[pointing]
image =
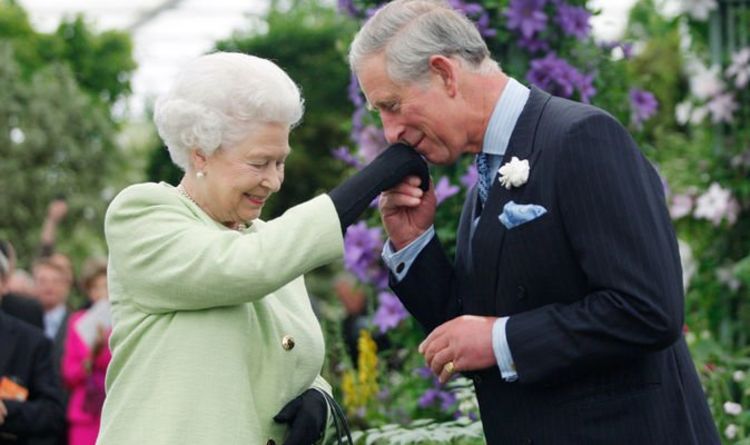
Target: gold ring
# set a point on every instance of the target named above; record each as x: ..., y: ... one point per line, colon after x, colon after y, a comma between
x: 449, y: 368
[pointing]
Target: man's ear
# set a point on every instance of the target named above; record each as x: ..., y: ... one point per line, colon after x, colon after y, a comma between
x: 447, y: 70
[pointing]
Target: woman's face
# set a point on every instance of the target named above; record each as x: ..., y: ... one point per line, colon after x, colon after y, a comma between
x: 239, y: 179
x: 97, y: 288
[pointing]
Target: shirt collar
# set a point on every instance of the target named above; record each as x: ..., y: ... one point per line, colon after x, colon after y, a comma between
x: 53, y: 319
x: 504, y: 117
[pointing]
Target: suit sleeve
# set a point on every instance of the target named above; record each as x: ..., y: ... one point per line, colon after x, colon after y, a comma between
x: 613, y: 211
x: 429, y: 290
x: 166, y: 260
x: 43, y: 413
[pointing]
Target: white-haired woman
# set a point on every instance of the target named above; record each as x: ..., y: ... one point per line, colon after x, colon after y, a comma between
x: 214, y: 340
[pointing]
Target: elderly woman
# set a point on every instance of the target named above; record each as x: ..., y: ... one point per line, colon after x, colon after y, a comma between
x: 214, y: 340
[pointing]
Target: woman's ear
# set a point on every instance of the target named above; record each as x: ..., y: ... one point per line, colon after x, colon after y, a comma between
x: 198, y: 159
x: 447, y: 70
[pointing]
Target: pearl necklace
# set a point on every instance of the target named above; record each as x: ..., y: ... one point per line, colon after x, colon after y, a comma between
x: 240, y: 227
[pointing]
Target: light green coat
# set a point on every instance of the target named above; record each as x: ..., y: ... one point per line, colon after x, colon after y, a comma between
x: 199, y: 315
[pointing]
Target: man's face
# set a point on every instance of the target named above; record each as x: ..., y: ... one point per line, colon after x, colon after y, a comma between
x: 423, y: 116
x: 52, y: 286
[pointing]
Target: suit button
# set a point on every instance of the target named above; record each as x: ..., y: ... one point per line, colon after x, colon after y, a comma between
x: 528, y: 441
x: 477, y: 379
x: 287, y: 342
x: 271, y: 442
x: 521, y: 292
x: 400, y: 267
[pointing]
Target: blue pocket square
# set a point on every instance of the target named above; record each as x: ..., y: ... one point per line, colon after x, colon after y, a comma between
x: 516, y: 214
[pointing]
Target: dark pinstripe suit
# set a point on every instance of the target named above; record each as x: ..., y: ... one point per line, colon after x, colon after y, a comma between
x: 593, y: 290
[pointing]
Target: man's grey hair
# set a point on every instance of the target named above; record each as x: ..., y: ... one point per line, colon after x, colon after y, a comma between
x: 408, y: 32
x: 218, y: 99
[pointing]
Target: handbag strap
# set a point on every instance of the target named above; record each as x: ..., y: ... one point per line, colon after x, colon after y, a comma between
x: 339, y: 420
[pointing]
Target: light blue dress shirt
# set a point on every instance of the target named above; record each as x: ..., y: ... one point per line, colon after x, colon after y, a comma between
x: 53, y: 319
x: 502, y: 122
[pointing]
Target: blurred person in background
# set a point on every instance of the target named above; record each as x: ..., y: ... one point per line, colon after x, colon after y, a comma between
x: 214, y: 340
x: 53, y: 281
x: 56, y: 211
x: 21, y: 282
x: 86, y: 357
x: 31, y: 405
x: 15, y: 302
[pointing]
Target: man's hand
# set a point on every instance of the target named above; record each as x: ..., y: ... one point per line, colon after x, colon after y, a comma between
x: 466, y: 341
x: 407, y: 211
x: 3, y: 412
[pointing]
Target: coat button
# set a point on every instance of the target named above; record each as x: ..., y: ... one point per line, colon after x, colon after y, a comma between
x: 287, y: 342
x: 521, y: 292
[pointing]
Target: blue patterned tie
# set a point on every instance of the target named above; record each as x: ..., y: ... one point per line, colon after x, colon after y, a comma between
x: 483, y: 170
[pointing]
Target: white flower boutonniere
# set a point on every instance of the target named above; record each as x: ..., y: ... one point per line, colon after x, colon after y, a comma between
x: 514, y: 173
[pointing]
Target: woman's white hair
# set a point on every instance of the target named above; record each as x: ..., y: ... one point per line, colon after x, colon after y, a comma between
x: 408, y: 32
x: 218, y: 99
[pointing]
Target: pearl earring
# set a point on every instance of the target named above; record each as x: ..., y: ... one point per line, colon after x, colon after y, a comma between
x: 200, y: 175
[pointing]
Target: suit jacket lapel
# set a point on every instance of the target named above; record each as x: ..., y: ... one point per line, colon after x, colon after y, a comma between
x: 490, y: 233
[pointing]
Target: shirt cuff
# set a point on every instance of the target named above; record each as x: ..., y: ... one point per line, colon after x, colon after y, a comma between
x: 502, y: 351
x: 400, y: 262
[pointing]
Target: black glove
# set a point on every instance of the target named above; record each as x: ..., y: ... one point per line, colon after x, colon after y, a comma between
x: 398, y: 161
x: 306, y: 415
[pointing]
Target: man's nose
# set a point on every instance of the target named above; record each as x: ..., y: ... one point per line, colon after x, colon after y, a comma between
x: 392, y: 128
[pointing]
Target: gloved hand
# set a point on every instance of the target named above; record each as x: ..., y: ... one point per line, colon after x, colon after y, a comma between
x: 354, y: 195
x: 306, y: 415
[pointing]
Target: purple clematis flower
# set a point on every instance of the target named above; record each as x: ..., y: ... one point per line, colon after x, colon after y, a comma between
x: 343, y: 154
x: 390, y: 312
x: 526, y: 16
x: 362, y: 247
x: 444, y: 189
x: 558, y: 77
x: 643, y: 105
x: 476, y: 13
x: 470, y: 178
x: 574, y: 20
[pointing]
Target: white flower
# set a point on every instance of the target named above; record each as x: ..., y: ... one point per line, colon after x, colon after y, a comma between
x: 740, y: 67
x: 722, y: 108
x: 733, y: 409
x: 514, y: 173
x: 17, y: 136
x: 682, y: 205
x: 682, y: 112
x: 705, y: 83
x: 725, y: 276
x: 716, y: 204
x: 699, y: 114
x: 731, y: 431
x: 738, y: 376
x: 698, y: 9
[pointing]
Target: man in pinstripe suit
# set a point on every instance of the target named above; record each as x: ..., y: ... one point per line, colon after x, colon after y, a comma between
x: 564, y: 302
